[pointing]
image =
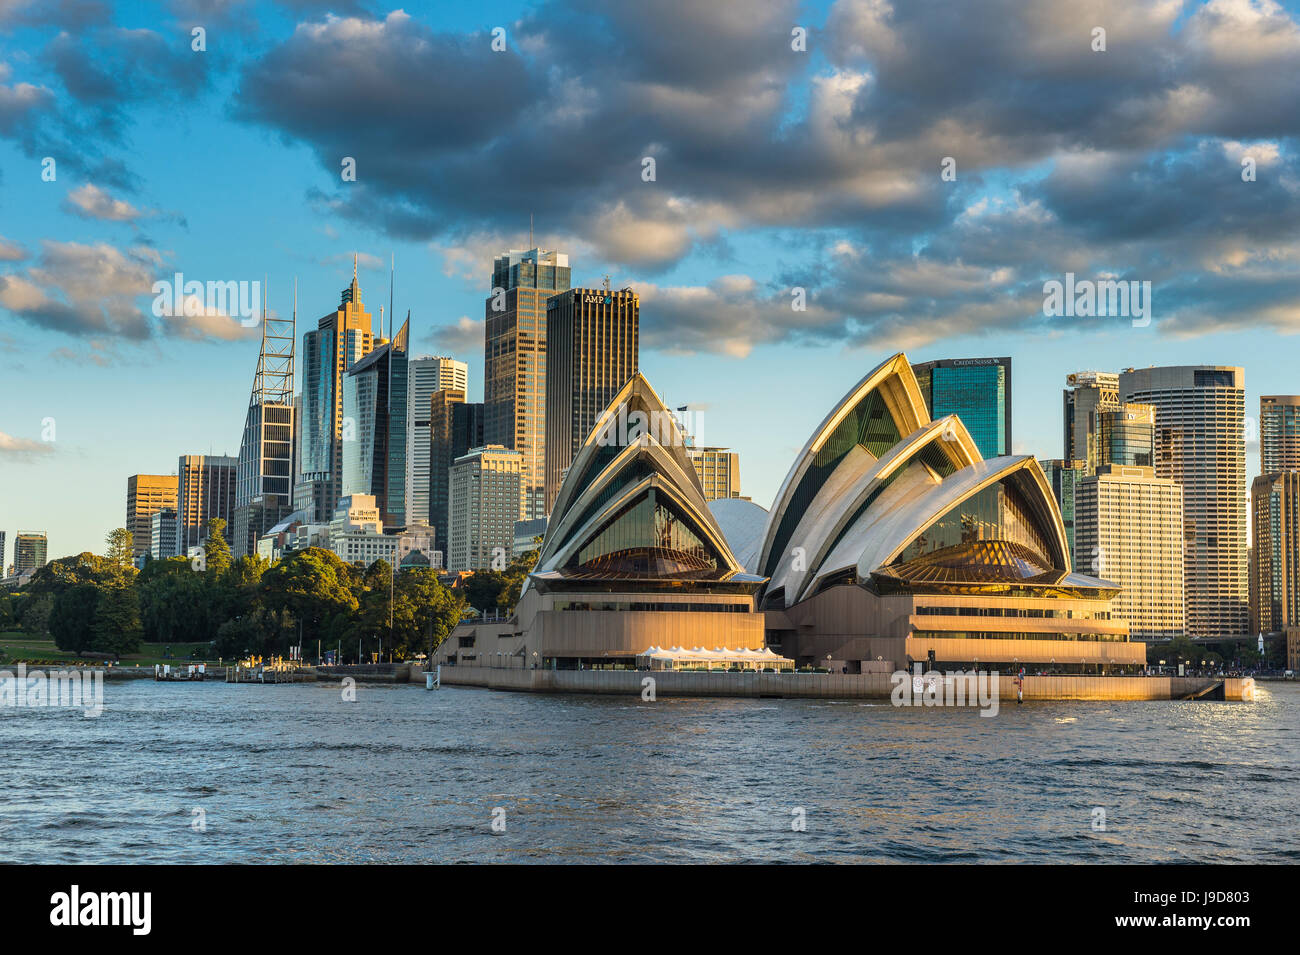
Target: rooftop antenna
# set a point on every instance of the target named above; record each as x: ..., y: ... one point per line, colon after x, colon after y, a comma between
x: 530, y: 231
x: 392, y: 281
x: 605, y: 283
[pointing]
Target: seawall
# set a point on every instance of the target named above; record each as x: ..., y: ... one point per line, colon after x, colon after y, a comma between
x: 850, y: 686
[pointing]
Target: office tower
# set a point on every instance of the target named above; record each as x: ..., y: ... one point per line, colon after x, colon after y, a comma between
x: 205, y: 489
x: 1200, y: 413
x: 718, y: 470
x: 1279, y: 433
x: 1275, y: 564
x: 1126, y: 436
x: 1129, y: 528
x: 1086, y: 393
x: 977, y: 390
x: 264, y: 477
x: 374, y: 451
x: 483, y: 507
x: 31, y: 550
x: 342, y: 338
x: 2, y: 553
x: 425, y: 375
x: 162, y: 533
x: 1100, y: 429
x: 455, y: 427
x: 1064, y: 478
x: 146, y: 494
x: 592, y: 338
x: 514, y: 360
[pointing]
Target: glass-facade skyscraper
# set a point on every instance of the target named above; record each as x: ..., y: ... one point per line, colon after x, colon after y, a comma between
x: 341, y: 339
x: 977, y: 390
x: 1100, y: 429
x: 374, y: 448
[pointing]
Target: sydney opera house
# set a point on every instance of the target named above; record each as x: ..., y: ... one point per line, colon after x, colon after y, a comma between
x: 890, y: 541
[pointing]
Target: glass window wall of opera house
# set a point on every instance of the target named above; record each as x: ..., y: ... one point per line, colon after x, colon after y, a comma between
x: 891, y: 541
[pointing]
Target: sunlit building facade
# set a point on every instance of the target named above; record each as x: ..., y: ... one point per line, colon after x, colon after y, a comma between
x: 341, y: 339
x: 146, y: 495
x: 718, y: 470
x: 205, y: 488
x: 514, y: 361
x: 455, y: 426
x: 1200, y: 443
x: 1129, y: 528
x: 1279, y: 433
x: 1275, y: 564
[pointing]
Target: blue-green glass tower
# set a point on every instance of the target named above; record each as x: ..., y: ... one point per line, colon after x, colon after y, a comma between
x: 977, y: 390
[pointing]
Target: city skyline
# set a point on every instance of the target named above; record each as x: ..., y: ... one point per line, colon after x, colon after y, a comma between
x: 99, y: 386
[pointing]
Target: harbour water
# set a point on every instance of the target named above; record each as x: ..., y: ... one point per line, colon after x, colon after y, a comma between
x: 216, y: 773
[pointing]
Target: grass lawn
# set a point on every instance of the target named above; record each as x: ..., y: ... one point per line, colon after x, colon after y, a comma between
x: 16, y: 647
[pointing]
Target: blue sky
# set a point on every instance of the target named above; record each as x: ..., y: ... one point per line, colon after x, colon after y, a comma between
x: 775, y: 168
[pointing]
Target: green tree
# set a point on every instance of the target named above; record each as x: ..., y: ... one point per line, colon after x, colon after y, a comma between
x: 58, y: 575
x: 516, y: 573
x: 120, y: 547
x: 36, y: 610
x: 261, y: 632
x: 72, y: 621
x: 485, y: 588
x: 424, y: 612
x: 316, y: 587
x: 177, y: 603
x: 117, y: 619
x: 216, y: 552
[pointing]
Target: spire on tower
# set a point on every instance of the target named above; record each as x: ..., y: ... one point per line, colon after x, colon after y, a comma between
x: 353, y: 292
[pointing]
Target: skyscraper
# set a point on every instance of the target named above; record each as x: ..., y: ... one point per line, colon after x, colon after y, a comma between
x: 1064, y: 478
x: 425, y: 375
x: 1200, y: 443
x: 146, y: 494
x: 342, y: 338
x: 483, y: 507
x: 977, y: 390
x: 1128, y: 526
x: 1279, y: 433
x: 514, y: 360
x: 1275, y: 564
x: 162, y: 533
x: 265, y: 474
x: 205, y: 489
x: 455, y: 427
x: 1100, y: 429
x: 718, y: 470
x: 592, y: 348
x: 2, y: 553
x: 374, y: 448
x: 31, y: 550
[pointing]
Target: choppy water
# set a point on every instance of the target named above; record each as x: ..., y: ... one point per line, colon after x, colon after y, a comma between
x: 295, y: 774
